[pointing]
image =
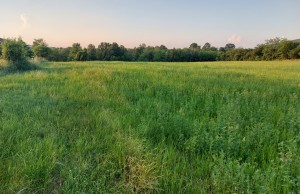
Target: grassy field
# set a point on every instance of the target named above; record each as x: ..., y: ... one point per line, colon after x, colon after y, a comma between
x: 114, y: 127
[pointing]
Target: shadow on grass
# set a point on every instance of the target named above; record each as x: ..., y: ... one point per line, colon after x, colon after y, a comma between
x: 9, y: 69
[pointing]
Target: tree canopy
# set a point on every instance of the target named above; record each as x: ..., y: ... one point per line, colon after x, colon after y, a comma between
x: 272, y: 49
x: 40, y: 48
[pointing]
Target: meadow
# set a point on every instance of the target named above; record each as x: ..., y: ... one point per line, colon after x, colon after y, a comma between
x: 134, y: 127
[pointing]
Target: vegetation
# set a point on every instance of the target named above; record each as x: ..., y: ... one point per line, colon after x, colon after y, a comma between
x: 117, y: 127
x: 16, y: 53
x: 40, y: 48
x: 272, y: 49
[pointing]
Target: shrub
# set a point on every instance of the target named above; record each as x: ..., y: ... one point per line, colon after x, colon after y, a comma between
x: 14, y: 51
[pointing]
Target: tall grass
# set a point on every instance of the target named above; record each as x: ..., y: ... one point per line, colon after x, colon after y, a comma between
x: 99, y: 127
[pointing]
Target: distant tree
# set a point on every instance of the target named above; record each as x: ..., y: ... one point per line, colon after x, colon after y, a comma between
x: 284, y: 48
x: 137, y: 51
x: 112, y: 52
x: 170, y: 56
x: 271, y: 49
x: 276, y: 48
x: 274, y: 41
x: 103, y: 51
x: 235, y: 54
x: 206, y: 46
x: 229, y: 46
x: 213, y: 48
x: 163, y: 47
x: 208, y: 56
x: 248, y: 54
x: 295, y: 53
x: 91, y: 52
x: 59, y: 54
x: 82, y: 55
x: 160, y: 53
x: 53, y: 54
x: 194, y: 46
x: 270, y: 53
x: 115, y: 52
x: 125, y: 54
x: 147, y: 54
x: 222, y: 49
x: 75, y: 49
x: 40, y: 48
x: 257, y: 53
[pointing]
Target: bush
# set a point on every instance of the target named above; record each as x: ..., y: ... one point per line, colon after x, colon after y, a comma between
x: 14, y: 51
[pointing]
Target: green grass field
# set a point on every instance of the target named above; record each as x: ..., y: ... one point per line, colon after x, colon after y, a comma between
x: 116, y: 127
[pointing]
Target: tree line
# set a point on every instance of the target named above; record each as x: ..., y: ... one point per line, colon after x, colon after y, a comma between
x: 272, y: 49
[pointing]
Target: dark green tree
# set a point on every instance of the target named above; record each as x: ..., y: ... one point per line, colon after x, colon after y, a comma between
x: 91, y: 52
x: 82, y: 55
x: 229, y: 46
x: 40, y: 48
x: 295, y: 53
x: 75, y: 49
x: 115, y: 52
x: 103, y: 51
x: 14, y: 51
x: 206, y: 46
x: 284, y: 48
x: 194, y: 46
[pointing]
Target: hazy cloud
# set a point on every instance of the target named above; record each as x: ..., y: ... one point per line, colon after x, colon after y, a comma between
x: 24, y: 20
x: 234, y: 39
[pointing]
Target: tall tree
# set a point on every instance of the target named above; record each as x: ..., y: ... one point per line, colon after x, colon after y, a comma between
x: 103, y: 51
x: 295, y: 53
x: 194, y: 46
x: 40, y: 48
x: 115, y: 52
x: 75, y: 49
x: 91, y: 52
x: 229, y: 46
x: 206, y: 46
x: 284, y: 48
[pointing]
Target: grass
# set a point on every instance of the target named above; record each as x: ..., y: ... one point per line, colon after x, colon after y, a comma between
x: 114, y: 127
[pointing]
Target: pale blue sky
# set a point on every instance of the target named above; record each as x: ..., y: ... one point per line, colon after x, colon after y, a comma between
x: 174, y: 23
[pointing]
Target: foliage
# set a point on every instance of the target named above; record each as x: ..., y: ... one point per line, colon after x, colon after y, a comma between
x: 14, y: 51
x: 91, y: 52
x: 272, y: 49
x: 82, y: 55
x: 59, y: 54
x: 229, y: 46
x: 295, y: 53
x: 75, y: 52
x: 194, y: 46
x: 40, y: 48
x: 284, y: 49
x: 206, y: 46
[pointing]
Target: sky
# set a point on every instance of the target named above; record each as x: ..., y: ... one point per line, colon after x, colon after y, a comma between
x: 174, y: 23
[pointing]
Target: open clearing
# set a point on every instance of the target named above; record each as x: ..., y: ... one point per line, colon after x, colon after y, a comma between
x: 114, y: 127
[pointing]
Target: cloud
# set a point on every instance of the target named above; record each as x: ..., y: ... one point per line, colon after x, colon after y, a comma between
x: 24, y: 20
x: 234, y: 39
